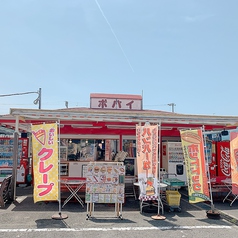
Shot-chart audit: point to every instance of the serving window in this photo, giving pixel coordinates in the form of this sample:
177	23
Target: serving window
88	149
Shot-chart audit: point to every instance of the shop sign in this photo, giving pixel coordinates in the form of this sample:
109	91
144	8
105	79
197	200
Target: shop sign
116	101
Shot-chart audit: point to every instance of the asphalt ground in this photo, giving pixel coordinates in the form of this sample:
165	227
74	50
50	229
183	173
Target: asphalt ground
25	214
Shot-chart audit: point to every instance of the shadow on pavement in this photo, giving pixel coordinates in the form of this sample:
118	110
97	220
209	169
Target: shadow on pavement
50	223
24	202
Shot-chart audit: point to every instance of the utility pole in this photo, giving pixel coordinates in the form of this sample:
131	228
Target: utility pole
38	100
39	93
172	105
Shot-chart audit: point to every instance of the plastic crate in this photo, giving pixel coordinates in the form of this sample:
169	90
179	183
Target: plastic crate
174	182
173	198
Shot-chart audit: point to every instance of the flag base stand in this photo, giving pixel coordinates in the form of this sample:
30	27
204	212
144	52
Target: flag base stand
158	217
213	214
59	216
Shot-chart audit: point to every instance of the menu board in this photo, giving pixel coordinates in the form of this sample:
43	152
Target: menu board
105	183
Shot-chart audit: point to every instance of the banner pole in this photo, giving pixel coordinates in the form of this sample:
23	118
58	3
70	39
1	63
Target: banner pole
59	187
59	216
211	212
160	204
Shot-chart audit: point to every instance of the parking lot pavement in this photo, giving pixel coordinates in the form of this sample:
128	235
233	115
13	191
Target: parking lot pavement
24	213
227	212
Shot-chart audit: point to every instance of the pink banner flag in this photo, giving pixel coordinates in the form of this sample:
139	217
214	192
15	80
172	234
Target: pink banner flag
147	160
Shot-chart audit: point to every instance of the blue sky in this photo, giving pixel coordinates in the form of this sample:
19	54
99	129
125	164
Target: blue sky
171	51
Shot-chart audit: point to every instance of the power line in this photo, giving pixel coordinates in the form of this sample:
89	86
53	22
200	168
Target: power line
172	105
15	94
36	101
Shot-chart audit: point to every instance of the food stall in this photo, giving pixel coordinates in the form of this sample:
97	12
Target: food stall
100	132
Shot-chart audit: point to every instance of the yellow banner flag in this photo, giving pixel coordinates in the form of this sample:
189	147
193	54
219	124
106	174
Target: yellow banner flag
45	162
194	156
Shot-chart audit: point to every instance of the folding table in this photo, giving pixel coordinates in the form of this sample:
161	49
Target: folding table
74	187
228	184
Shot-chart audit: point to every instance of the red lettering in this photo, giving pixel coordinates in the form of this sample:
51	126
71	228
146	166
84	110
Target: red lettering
146	140
46	151
102	103
146	131
130	104
45	178
42	168
196	183
193	151
116	102
195	168
47	187
146	146
51	136
146	165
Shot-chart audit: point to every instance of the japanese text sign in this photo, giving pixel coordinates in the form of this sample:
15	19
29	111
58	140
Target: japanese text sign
194	155
147	160
116	101
45	162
